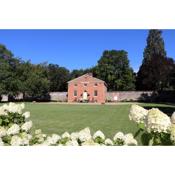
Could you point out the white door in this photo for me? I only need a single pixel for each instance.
(85, 96)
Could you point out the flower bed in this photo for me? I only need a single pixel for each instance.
(15, 130)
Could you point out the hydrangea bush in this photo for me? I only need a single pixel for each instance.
(16, 130)
(156, 128)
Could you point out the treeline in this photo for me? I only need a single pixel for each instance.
(35, 81)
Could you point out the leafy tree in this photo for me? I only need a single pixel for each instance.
(4, 74)
(9, 81)
(152, 72)
(113, 67)
(78, 72)
(58, 77)
(37, 84)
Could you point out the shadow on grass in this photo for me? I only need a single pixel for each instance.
(166, 109)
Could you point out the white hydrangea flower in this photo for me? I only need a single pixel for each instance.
(25, 138)
(1, 142)
(173, 118)
(3, 131)
(16, 141)
(14, 108)
(14, 129)
(52, 140)
(172, 137)
(90, 143)
(99, 134)
(74, 135)
(84, 135)
(137, 114)
(119, 135)
(129, 140)
(2, 110)
(45, 143)
(72, 143)
(157, 121)
(41, 137)
(38, 131)
(109, 142)
(65, 135)
(26, 126)
(26, 114)
(25, 142)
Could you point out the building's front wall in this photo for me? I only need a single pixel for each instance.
(87, 83)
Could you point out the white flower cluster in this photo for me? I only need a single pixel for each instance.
(157, 121)
(172, 137)
(158, 124)
(14, 127)
(99, 134)
(153, 119)
(173, 118)
(124, 139)
(13, 108)
(27, 126)
(138, 114)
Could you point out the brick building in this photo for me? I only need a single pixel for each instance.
(87, 88)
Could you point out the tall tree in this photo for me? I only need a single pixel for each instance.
(155, 45)
(149, 76)
(113, 67)
(58, 77)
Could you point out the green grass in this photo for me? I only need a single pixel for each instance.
(58, 118)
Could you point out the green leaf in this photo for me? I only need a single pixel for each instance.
(141, 126)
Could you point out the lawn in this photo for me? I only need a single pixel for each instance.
(57, 118)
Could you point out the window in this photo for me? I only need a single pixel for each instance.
(95, 93)
(75, 84)
(85, 84)
(95, 84)
(75, 93)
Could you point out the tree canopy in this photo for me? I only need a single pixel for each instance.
(156, 67)
(113, 67)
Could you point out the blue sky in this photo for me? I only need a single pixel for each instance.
(76, 49)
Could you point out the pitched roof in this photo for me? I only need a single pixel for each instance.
(87, 74)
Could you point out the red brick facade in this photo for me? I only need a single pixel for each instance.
(87, 88)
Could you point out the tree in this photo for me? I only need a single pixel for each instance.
(152, 71)
(78, 72)
(58, 77)
(5, 53)
(9, 81)
(37, 84)
(155, 45)
(113, 67)
(157, 72)
(171, 74)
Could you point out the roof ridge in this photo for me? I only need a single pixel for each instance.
(83, 76)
